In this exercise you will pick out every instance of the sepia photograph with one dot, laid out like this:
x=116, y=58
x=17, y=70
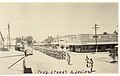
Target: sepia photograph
x=59, y=38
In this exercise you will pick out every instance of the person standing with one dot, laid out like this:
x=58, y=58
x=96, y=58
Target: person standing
x=91, y=65
x=87, y=61
x=68, y=58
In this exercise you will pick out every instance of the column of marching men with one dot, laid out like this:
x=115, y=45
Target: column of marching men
x=55, y=53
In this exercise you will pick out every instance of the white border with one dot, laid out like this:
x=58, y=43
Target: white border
x=59, y=0
x=70, y=1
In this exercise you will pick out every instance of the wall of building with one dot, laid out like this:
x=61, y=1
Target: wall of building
x=84, y=39
x=1, y=40
x=86, y=42
x=102, y=38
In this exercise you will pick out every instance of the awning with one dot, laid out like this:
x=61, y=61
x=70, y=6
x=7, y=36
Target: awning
x=73, y=44
x=102, y=43
x=55, y=43
x=116, y=46
x=89, y=43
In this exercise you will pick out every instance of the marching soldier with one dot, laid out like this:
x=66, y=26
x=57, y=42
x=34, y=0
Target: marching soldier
x=68, y=59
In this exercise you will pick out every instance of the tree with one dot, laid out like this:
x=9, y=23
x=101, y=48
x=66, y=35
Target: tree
x=34, y=41
x=115, y=32
x=29, y=40
x=105, y=33
x=18, y=40
x=49, y=39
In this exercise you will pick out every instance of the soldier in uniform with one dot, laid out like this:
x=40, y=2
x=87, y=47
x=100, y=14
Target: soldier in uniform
x=91, y=65
x=68, y=59
x=87, y=61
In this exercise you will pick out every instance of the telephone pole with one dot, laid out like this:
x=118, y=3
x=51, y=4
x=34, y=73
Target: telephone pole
x=57, y=39
x=9, y=36
x=95, y=36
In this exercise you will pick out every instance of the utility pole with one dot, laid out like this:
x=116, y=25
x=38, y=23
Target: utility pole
x=117, y=28
x=95, y=36
x=9, y=36
x=57, y=39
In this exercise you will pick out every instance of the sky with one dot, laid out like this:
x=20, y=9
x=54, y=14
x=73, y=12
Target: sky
x=41, y=20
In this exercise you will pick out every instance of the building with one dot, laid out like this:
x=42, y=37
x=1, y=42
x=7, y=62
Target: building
x=86, y=42
x=1, y=40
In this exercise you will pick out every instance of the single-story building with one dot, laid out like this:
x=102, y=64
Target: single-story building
x=1, y=40
x=87, y=42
